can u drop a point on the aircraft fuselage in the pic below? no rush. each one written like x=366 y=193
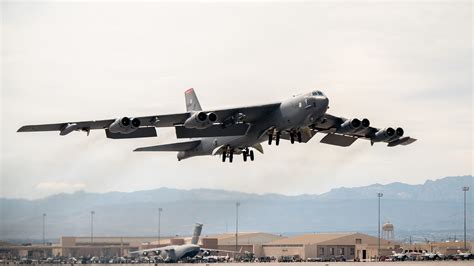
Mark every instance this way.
x=297 y=112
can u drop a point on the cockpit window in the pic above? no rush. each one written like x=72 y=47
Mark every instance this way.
x=317 y=93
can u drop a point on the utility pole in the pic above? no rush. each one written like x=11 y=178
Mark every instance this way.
x=92 y=226
x=465 y=189
x=44 y=218
x=159 y=225
x=237 y=204
x=379 y=195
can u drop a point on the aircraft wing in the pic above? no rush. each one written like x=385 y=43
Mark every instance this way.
x=145 y=121
x=144 y=251
x=221 y=250
x=231 y=120
x=343 y=132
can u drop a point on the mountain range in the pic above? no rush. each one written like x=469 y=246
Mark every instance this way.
x=433 y=206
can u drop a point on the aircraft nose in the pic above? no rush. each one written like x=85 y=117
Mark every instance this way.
x=324 y=102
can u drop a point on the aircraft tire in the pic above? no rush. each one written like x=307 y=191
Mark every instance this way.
x=244 y=154
x=252 y=155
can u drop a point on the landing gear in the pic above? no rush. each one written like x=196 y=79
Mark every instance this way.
x=298 y=137
x=246 y=154
x=277 y=138
x=229 y=154
x=298 y=134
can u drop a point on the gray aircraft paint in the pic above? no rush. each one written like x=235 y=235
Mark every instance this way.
x=239 y=130
x=297 y=112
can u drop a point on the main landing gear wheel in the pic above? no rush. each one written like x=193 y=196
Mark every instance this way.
x=224 y=154
x=270 y=138
x=292 y=137
x=277 y=139
x=244 y=154
x=251 y=155
x=231 y=156
x=298 y=134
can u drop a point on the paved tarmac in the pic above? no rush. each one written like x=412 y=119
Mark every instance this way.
x=387 y=263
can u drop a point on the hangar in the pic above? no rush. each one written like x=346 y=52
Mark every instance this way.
x=327 y=245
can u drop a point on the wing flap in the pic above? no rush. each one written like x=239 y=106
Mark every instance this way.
x=212 y=131
x=180 y=146
x=402 y=141
x=338 y=140
x=144 y=132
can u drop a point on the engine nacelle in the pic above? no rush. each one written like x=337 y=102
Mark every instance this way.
x=201 y=120
x=124 y=125
x=384 y=134
x=350 y=126
x=365 y=123
x=399 y=132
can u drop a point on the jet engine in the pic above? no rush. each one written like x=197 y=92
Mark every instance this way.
x=365 y=123
x=350 y=126
x=201 y=120
x=124 y=125
x=384 y=134
x=399 y=132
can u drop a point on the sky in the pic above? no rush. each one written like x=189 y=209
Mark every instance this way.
x=397 y=63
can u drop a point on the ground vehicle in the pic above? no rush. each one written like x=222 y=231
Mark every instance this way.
x=316 y=259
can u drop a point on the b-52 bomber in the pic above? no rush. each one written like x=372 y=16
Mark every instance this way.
x=240 y=130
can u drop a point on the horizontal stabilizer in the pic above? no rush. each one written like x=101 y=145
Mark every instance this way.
x=402 y=141
x=144 y=132
x=212 y=131
x=180 y=146
x=338 y=140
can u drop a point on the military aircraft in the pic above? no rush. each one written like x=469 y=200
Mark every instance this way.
x=175 y=253
x=239 y=130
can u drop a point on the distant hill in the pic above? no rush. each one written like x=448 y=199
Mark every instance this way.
x=434 y=205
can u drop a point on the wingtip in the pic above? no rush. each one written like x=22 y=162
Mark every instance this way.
x=189 y=90
x=21 y=129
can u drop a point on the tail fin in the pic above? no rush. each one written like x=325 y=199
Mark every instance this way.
x=196 y=234
x=192 y=102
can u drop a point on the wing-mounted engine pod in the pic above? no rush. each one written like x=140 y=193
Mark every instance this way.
x=350 y=126
x=200 y=120
x=124 y=125
x=365 y=123
x=135 y=122
x=212 y=117
x=384 y=134
x=399 y=132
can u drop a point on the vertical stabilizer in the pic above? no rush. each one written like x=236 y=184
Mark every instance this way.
x=196 y=234
x=192 y=102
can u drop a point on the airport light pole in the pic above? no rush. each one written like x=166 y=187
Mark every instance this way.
x=379 y=195
x=465 y=189
x=237 y=204
x=159 y=224
x=92 y=226
x=44 y=218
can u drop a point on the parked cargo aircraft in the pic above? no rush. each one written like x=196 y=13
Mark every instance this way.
x=175 y=253
x=239 y=130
